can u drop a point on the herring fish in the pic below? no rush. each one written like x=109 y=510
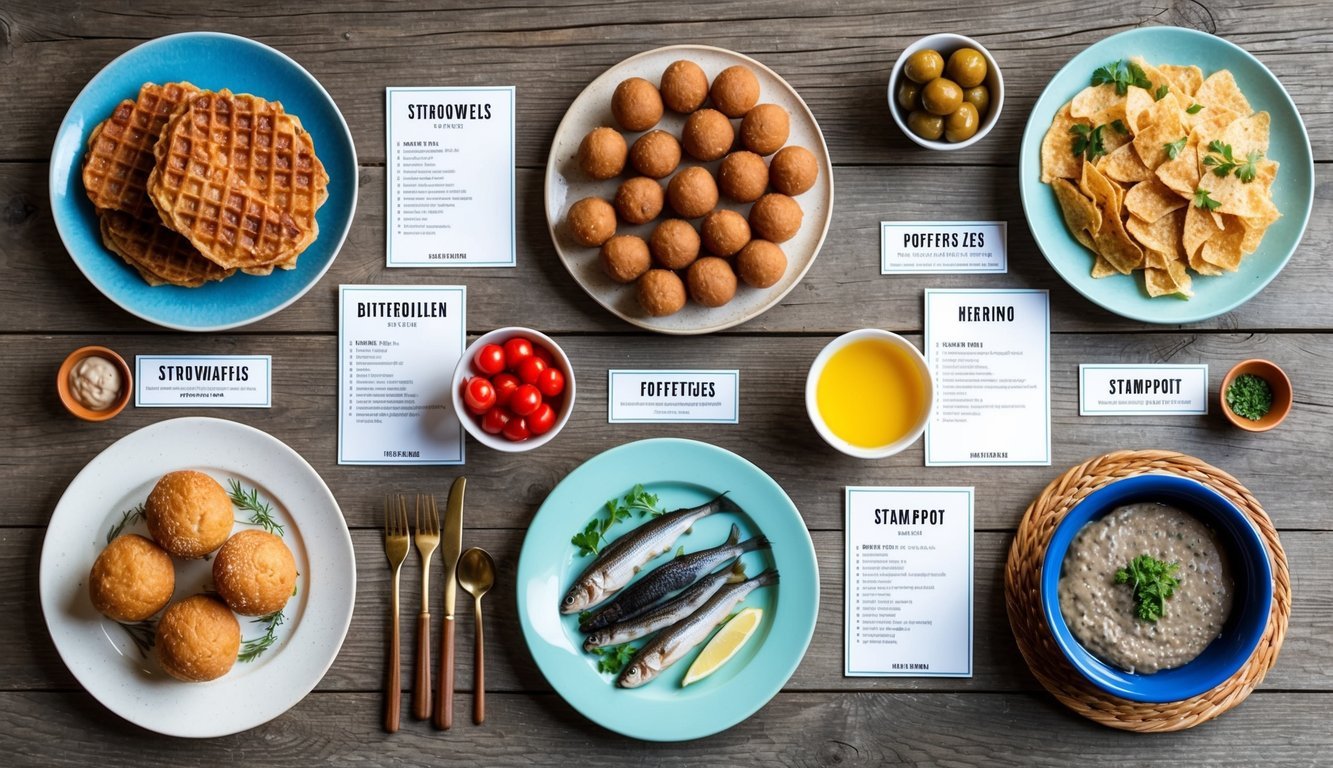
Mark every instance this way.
x=671 y=577
x=667 y=613
x=674 y=642
x=627 y=555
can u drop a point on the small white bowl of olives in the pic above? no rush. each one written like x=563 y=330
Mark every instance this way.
x=946 y=91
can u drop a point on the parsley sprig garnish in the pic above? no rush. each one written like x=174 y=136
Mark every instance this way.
x=1174 y=148
x=143 y=633
x=1153 y=582
x=1122 y=75
x=253 y=649
x=611 y=660
x=1087 y=141
x=1194 y=108
x=128 y=517
x=1161 y=92
x=1202 y=200
x=593 y=536
x=261 y=512
x=1222 y=161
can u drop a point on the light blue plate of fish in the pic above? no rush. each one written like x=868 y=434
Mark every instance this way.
x=213 y=61
x=710 y=496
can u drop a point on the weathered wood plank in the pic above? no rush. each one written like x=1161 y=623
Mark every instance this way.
x=837 y=56
x=47 y=448
x=843 y=290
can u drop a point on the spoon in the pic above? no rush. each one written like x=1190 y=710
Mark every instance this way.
x=476 y=572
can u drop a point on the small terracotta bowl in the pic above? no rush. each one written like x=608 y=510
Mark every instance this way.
x=74 y=406
x=1277 y=380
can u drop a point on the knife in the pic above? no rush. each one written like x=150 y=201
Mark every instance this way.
x=451 y=547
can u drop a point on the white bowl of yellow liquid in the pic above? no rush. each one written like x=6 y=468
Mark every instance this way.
x=869 y=393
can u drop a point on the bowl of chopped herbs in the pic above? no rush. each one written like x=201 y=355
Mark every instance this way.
x=1255 y=395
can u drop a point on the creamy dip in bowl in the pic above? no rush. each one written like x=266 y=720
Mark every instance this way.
x=1209 y=628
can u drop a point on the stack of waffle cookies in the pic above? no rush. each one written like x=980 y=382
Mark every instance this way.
x=191 y=185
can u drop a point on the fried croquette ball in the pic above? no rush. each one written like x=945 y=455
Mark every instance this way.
x=707 y=135
x=188 y=514
x=711 y=281
x=775 y=217
x=724 y=232
x=640 y=200
x=197 y=639
x=793 y=170
x=624 y=258
x=742 y=176
x=735 y=91
x=674 y=244
x=684 y=86
x=254 y=573
x=765 y=129
x=592 y=221
x=602 y=153
x=132 y=579
x=761 y=263
x=655 y=154
x=692 y=192
x=636 y=104
x=661 y=292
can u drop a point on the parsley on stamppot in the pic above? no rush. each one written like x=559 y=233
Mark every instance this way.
x=1122 y=75
x=1153 y=581
x=1174 y=148
x=1202 y=200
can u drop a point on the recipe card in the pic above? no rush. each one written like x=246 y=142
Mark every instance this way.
x=659 y=396
x=989 y=353
x=1142 y=390
x=941 y=247
x=450 y=177
x=398 y=346
x=909 y=582
x=203 y=381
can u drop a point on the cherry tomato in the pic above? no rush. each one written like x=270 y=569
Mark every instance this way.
x=517 y=350
x=541 y=420
x=479 y=395
x=490 y=359
x=517 y=429
x=525 y=400
x=551 y=382
x=531 y=369
x=543 y=354
x=495 y=420
x=505 y=384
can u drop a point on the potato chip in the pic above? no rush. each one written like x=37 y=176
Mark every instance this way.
x=1081 y=215
x=1151 y=200
x=1199 y=229
x=1245 y=136
x=1210 y=123
x=1137 y=102
x=1223 y=249
x=1257 y=226
x=1102 y=268
x=1111 y=241
x=1124 y=165
x=1163 y=127
x=1154 y=259
x=1219 y=91
x=1181 y=175
x=1099 y=104
x=1163 y=235
x=1184 y=80
x=1058 y=160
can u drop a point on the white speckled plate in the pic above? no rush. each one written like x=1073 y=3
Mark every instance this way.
x=566 y=184
x=101 y=654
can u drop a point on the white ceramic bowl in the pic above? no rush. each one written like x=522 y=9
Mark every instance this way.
x=946 y=43
x=812 y=383
x=464 y=370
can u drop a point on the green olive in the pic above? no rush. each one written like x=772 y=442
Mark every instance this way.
x=926 y=125
x=967 y=67
x=962 y=124
x=924 y=66
x=941 y=96
x=978 y=97
x=909 y=96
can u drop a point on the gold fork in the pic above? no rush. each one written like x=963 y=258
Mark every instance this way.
x=397 y=541
x=428 y=539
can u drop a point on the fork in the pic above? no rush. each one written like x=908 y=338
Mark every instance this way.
x=397 y=542
x=428 y=539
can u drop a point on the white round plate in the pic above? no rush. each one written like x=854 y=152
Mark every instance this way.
x=100 y=652
x=566 y=185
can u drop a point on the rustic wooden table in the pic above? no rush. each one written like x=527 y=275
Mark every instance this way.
x=837 y=55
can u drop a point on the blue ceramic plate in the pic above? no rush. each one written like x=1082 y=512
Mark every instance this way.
x=1293 y=192
x=215 y=61
x=683 y=473
x=1251 y=573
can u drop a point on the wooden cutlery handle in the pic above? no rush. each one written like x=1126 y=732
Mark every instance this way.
x=444 y=707
x=421 y=690
x=393 y=688
x=479 y=675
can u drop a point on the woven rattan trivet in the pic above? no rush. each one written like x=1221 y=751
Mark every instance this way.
x=1022 y=579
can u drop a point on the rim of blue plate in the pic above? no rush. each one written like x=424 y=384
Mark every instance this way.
x=171 y=306
x=1250 y=566
x=710 y=710
x=1075 y=274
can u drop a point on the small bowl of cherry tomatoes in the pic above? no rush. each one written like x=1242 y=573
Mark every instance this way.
x=514 y=389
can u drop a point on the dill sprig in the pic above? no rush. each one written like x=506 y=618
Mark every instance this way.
x=253 y=649
x=143 y=633
x=261 y=512
x=128 y=517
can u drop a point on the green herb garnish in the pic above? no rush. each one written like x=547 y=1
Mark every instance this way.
x=1219 y=158
x=1121 y=75
x=1174 y=148
x=1250 y=397
x=1202 y=200
x=593 y=536
x=1161 y=92
x=639 y=500
x=611 y=660
x=253 y=649
x=1119 y=126
x=128 y=517
x=1249 y=169
x=1194 y=108
x=143 y=633
x=261 y=512
x=1153 y=582
x=1088 y=141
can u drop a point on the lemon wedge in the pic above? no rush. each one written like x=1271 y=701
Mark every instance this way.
x=725 y=644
